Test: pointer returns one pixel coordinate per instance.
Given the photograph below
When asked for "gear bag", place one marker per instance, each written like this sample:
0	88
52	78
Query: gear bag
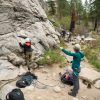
67	78
26	80
15	94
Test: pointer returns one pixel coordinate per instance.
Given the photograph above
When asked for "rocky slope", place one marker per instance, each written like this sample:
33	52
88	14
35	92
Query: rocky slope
18	19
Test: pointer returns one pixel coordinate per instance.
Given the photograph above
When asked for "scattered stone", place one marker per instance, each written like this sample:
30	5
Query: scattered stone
29	88
45	71
38	98
84	98
41	66
33	65
97	84
57	89
74	98
73	43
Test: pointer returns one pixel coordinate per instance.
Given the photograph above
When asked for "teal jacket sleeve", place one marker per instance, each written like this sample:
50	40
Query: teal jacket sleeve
68	52
82	56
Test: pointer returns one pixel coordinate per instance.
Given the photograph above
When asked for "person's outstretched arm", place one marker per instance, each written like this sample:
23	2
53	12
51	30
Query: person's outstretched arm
68	52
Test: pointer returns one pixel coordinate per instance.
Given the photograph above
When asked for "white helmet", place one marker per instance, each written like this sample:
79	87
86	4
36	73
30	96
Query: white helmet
27	40
77	47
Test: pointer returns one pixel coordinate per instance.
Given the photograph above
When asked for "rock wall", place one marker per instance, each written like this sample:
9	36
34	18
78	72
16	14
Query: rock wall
24	18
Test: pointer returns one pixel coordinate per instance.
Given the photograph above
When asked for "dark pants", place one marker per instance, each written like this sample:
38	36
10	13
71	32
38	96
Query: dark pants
28	59
75	85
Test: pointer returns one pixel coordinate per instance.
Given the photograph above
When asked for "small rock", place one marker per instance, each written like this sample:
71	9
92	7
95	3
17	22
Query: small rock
45	71
41	66
97	84
38	98
73	43
84	97
33	65
75	99
57	89
29	88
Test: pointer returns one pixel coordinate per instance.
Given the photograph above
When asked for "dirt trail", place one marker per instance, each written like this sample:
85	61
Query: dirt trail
49	75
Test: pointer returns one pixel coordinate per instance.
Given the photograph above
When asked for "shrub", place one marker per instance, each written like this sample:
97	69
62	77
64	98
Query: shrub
65	21
92	56
51	57
57	22
96	63
62	43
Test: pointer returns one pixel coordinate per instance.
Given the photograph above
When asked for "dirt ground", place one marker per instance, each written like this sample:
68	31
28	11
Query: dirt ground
48	79
50	76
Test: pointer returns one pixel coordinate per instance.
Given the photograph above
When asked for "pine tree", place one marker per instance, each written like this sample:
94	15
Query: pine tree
80	9
73	15
52	8
62	8
95	12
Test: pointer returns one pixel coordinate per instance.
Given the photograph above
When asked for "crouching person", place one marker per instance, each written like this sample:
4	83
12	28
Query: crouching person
26	46
77	57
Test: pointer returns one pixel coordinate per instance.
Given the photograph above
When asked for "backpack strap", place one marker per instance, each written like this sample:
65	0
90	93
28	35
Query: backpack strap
7	96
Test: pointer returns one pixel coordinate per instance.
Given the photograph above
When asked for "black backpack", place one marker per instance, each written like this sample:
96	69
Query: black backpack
15	94
26	80
68	80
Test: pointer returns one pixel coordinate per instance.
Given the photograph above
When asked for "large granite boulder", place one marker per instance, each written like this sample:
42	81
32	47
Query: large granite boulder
9	71
20	19
89	75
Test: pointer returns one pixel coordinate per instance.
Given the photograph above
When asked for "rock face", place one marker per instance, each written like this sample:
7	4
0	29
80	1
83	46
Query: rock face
23	18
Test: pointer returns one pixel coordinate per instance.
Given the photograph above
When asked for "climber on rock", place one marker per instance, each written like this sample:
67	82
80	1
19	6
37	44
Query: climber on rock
26	46
77	57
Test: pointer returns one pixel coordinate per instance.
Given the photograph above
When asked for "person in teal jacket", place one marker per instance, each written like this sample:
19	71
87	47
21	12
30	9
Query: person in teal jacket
77	57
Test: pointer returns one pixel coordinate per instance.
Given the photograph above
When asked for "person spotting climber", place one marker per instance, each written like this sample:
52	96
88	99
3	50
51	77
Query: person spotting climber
77	57
27	50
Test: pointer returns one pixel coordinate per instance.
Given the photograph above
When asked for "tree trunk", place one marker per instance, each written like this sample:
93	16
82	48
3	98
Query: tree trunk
73	17
96	24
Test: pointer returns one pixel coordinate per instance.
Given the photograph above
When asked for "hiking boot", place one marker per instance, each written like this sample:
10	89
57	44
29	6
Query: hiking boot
71	94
